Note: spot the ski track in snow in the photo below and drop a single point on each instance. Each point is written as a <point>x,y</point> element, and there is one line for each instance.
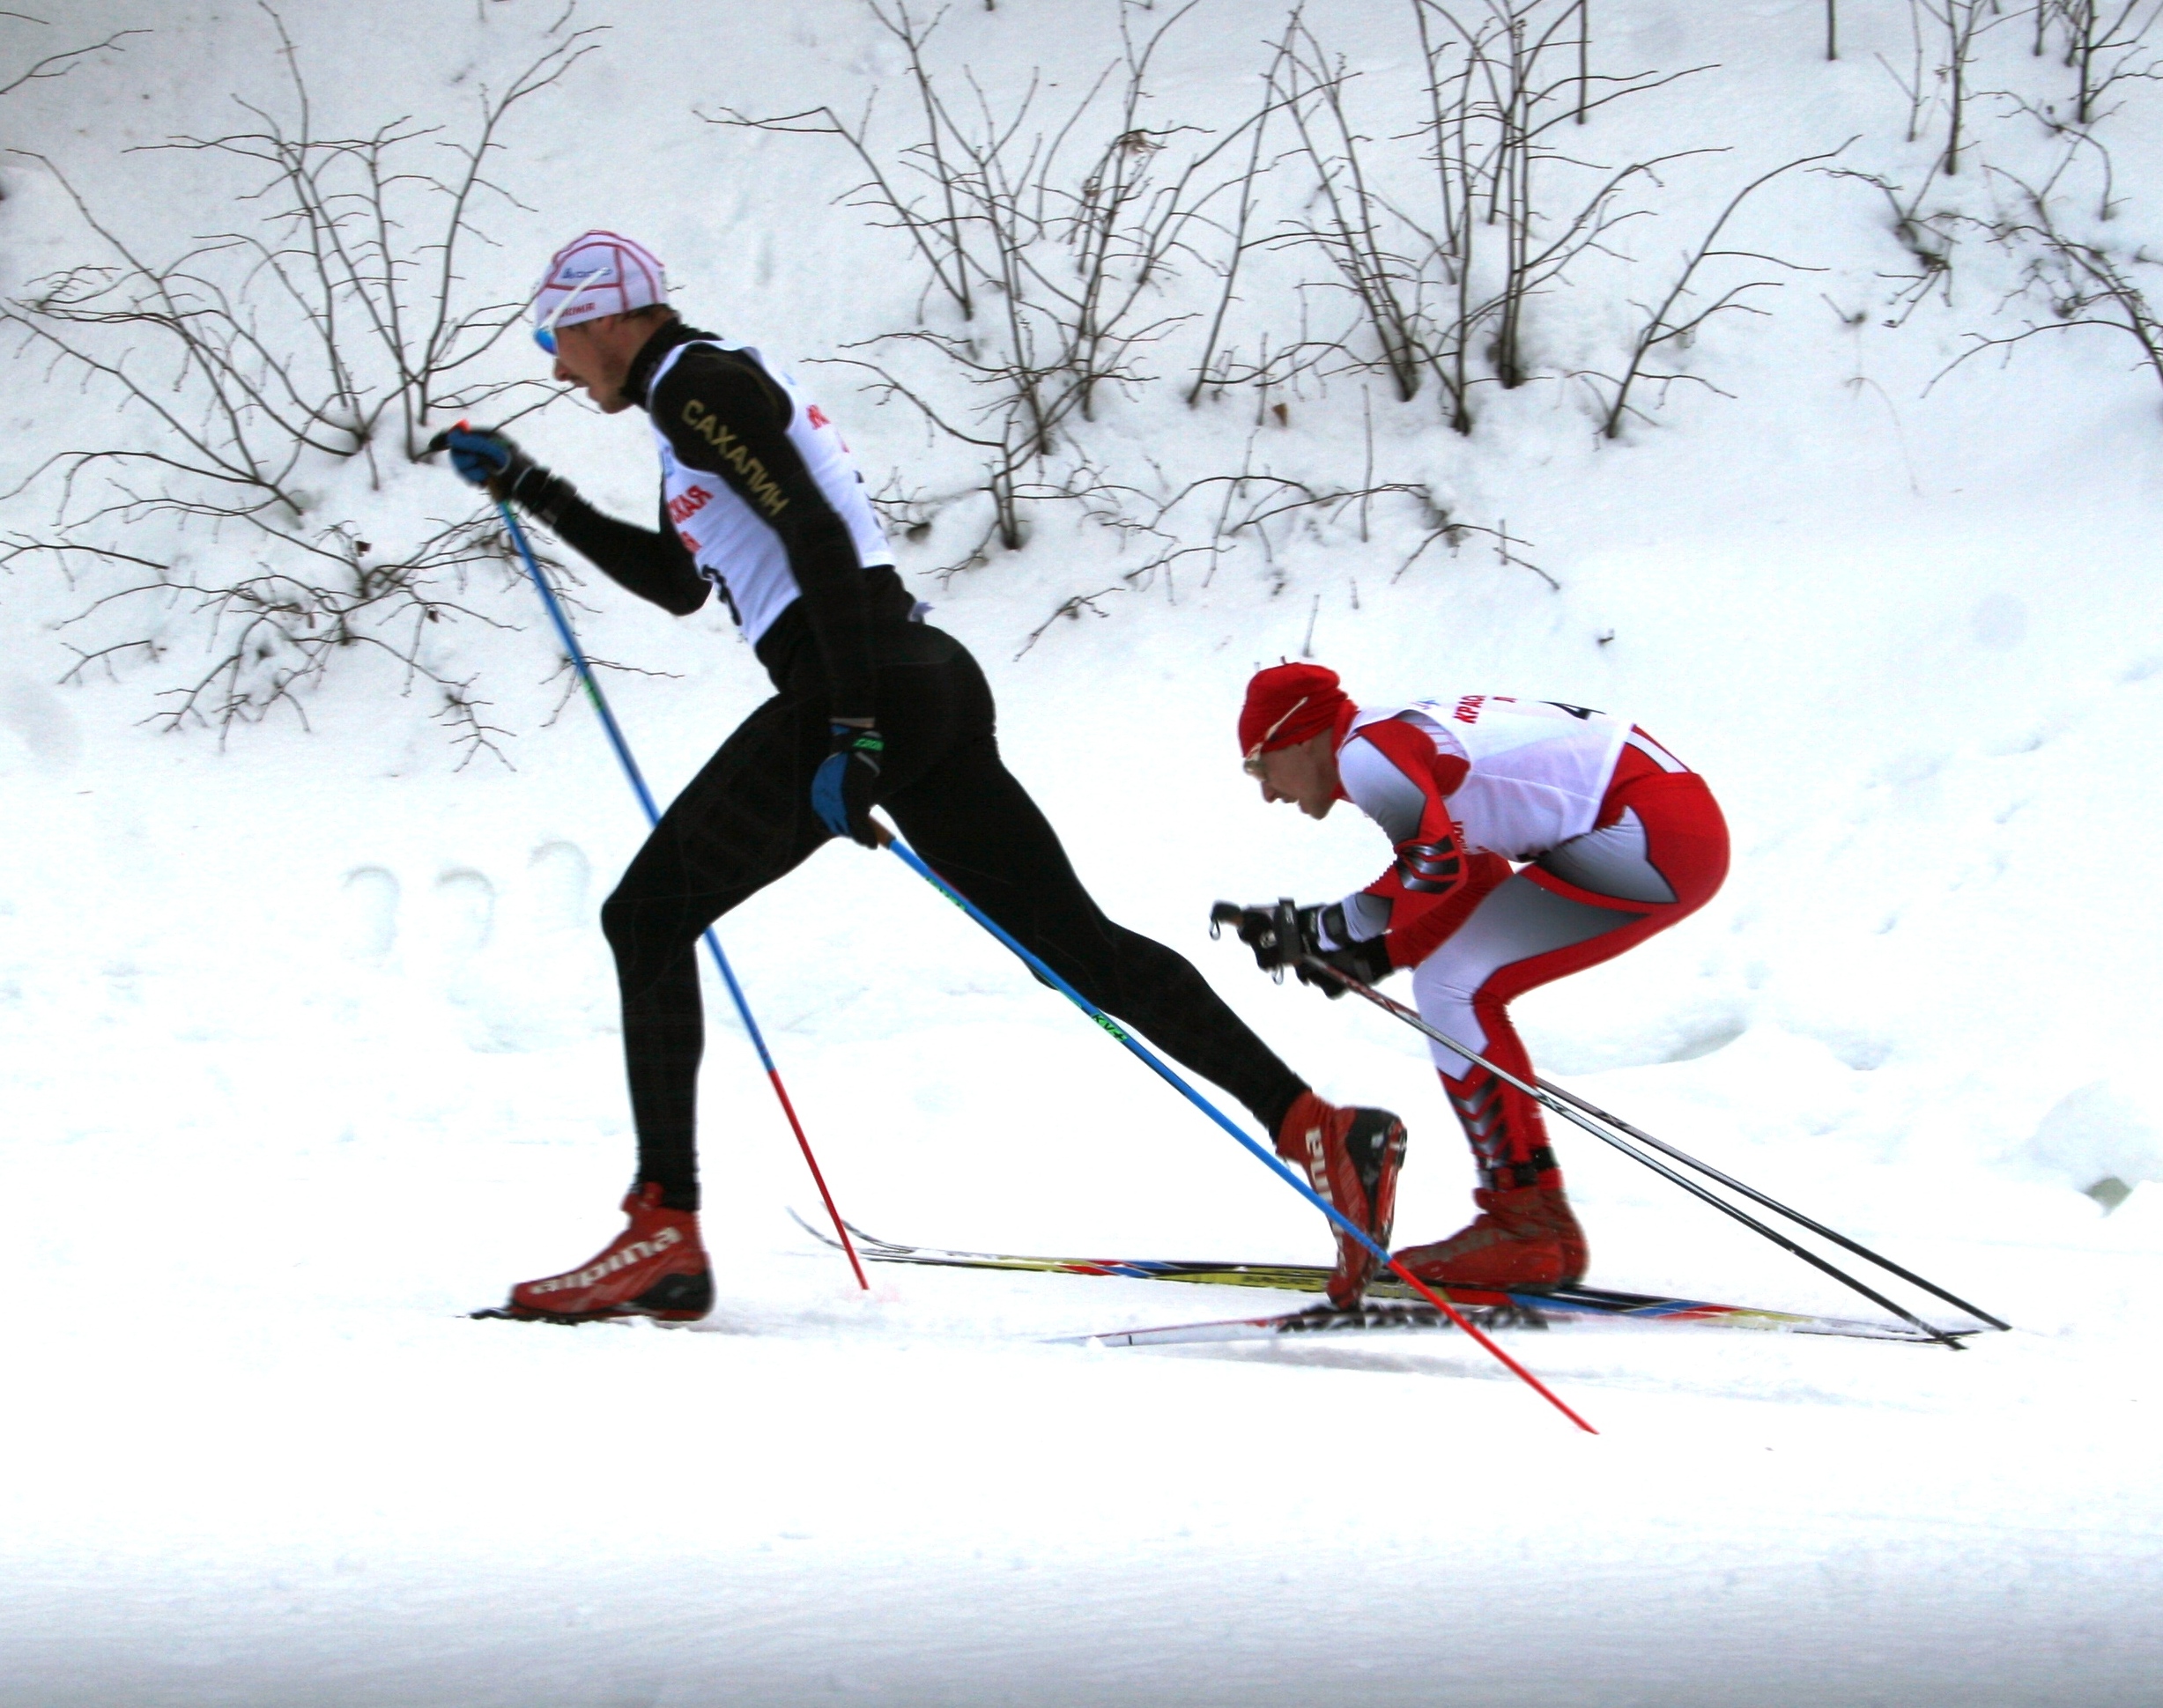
<point>310,1044</point>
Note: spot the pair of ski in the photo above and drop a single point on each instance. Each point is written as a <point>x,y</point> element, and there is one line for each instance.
<point>1390,1304</point>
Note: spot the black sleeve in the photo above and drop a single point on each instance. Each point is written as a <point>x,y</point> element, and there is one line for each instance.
<point>724,415</point>
<point>651,563</point>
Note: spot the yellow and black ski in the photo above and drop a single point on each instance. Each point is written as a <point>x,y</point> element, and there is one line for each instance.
<point>1390,1302</point>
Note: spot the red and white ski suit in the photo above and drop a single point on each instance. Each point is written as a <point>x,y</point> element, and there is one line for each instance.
<point>1611,838</point>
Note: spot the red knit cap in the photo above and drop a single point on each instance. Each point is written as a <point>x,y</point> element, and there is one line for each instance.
<point>1288,703</point>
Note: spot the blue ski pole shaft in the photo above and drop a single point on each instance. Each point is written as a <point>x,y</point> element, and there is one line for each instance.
<point>1269,1159</point>
<point>576,655</point>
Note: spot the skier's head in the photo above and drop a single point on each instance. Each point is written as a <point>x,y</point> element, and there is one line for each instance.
<point>602,297</point>
<point>1288,734</point>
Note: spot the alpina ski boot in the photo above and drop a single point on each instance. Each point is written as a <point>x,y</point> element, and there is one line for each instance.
<point>655,1268</point>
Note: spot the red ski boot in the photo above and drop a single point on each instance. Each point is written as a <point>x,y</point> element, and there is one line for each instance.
<point>1522,1236</point>
<point>1351,1157</point>
<point>655,1267</point>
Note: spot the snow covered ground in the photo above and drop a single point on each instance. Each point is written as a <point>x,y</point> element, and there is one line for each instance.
<point>309,1040</point>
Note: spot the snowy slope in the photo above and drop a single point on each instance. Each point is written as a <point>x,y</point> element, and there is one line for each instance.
<point>309,1040</point>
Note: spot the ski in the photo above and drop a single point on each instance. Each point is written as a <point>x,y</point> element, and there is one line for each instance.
<point>1508,1310</point>
<point>1315,1319</point>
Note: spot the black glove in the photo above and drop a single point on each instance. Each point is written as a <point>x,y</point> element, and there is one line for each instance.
<point>1286,935</point>
<point>1368,962</point>
<point>489,458</point>
<point>843,785</point>
<point>1272,933</point>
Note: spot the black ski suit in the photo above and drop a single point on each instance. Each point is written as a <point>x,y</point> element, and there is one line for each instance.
<point>844,646</point>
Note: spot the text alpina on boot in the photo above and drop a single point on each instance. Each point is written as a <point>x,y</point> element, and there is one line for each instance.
<point>655,1268</point>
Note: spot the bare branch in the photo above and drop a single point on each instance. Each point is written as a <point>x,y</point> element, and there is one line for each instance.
<point>1665,325</point>
<point>334,315</point>
<point>59,64</point>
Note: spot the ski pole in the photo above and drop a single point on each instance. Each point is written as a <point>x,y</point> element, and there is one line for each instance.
<point>1157,1064</point>
<point>1773,1204</point>
<point>576,655</point>
<point>1558,1106</point>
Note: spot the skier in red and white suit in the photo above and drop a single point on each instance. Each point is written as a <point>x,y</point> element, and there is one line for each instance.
<point>1533,839</point>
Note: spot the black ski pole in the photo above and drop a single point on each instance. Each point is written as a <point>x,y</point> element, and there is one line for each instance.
<point>1750,1192</point>
<point>1773,1204</point>
<point>1563,1109</point>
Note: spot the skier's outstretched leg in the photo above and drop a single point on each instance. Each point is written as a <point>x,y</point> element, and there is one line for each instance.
<point>978,828</point>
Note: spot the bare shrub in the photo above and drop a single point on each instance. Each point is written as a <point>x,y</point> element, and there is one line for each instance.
<point>2077,281</point>
<point>1439,287</point>
<point>264,366</point>
<point>2105,44</point>
<point>1045,235</point>
<point>1943,37</point>
<point>1259,508</point>
<point>1683,311</point>
<point>1413,225</point>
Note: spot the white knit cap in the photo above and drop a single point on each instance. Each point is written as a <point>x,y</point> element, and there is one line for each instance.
<point>607,274</point>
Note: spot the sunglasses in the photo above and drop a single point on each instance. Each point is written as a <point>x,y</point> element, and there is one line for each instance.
<point>1252,764</point>
<point>545,334</point>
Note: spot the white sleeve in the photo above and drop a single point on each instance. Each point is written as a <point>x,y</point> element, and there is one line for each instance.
<point>1374,783</point>
<point>1366,917</point>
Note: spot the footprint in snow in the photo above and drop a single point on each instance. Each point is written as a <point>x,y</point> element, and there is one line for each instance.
<point>1998,622</point>
<point>465,907</point>
<point>42,721</point>
<point>371,899</point>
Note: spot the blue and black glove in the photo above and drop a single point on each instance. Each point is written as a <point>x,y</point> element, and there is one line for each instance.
<point>483,457</point>
<point>486,458</point>
<point>844,787</point>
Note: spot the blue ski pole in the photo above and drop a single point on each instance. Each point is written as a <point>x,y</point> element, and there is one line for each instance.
<point>1156,1065</point>
<point>577,657</point>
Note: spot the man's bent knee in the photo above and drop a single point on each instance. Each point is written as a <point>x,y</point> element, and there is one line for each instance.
<point>633,923</point>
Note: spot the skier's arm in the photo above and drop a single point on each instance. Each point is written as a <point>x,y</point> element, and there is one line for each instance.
<point>1394,772</point>
<point>654,565</point>
<point>723,415</point>
<point>650,562</point>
